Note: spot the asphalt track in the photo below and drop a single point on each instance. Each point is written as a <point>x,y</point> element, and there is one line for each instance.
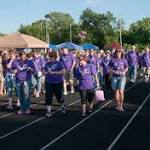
<point>103,129</point>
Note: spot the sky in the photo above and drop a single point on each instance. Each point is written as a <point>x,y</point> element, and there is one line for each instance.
<point>13,13</point>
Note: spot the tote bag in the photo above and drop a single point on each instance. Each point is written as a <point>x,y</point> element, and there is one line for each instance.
<point>99,95</point>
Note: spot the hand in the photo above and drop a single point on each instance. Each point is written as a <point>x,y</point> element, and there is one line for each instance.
<point>29,68</point>
<point>50,71</point>
<point>15,71</point>
<point>123,73</point>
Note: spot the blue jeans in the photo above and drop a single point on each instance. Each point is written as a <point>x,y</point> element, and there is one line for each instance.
<point>10,85</point>
<point>24,95</point>
<point>133,72</point>
<point>38,83</point>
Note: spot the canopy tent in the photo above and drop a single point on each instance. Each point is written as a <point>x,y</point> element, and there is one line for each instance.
<point>53,46</point>
<point>88,46</point>
<point>18,40</point>
<point>69,45</point>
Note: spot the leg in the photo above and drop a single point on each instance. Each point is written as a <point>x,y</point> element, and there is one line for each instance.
<point>83,95</point>
<point>48,98</point>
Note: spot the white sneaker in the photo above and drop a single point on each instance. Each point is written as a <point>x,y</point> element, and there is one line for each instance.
<point>48,114</point>
<point>72,91</point>
<point>18,103</point>
<point>65,93</point>
<point>132,81</point>
<point>10,107</point>
<point>37,94</point>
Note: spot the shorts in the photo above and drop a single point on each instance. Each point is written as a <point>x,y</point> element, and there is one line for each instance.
<point>51,90</point>
<point>69,75</point>
<point>118,82</point>
<point>87,96</point>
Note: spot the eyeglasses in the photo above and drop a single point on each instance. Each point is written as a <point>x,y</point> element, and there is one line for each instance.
<point>118,51</point>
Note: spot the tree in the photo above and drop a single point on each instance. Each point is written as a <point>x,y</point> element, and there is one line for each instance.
<point>2,34</point>
<point>100,27</point>
<point>139,32</point>
<point>59,26</point>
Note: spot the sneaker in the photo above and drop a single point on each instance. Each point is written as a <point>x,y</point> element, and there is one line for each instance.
<point>62,109</point>
<point>48,114</point>
<point>37,94</point>
<point>65,93</point>
<point>19,112</point>
<point>83,114</point>
<point>90,110</point>
<point>10,107</point>
<point>132,81</point>
<point>28,112</point>
<point>18,103</point>
<point>72,91</point>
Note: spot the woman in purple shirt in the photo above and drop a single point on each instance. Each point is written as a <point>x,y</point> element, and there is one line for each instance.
<point>118,67</point>
<point>54,77</point>
<point>87,76</point>
<point>23,69</point>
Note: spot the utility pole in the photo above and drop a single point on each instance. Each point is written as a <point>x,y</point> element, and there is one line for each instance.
<point>46,30</point>
<point>70,33</point>
<point>120,32</point>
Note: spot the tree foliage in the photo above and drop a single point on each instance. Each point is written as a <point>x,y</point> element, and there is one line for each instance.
<point>101,29</point>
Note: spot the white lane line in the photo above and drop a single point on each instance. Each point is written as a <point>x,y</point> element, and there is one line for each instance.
<point>82,121</point>
<point>75,126</point>
<point>6,115</point>
<point>41,118</point>
<point>33,122</point>
<point>9,114</point>
<point>127,125</point>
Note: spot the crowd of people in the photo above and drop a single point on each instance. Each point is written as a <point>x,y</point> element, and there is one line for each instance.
<point>24,73</point>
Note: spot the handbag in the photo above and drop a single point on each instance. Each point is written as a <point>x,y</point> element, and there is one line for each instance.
<point>99,95</point>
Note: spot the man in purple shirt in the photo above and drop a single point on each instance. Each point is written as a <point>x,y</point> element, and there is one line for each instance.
<point>106,70</point>
<point>69,62</point>
<point>133,61</point>
<point>145,63</point>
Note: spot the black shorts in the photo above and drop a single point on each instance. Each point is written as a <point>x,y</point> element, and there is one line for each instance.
<point>87,96</point>
<point>51,90</point>
<point>69,75</point>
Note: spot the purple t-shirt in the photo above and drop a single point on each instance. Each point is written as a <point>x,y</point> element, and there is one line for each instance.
<point>85,76</point>
<point>23,74</point>
<point>39,64</point>
<point>118,65</point>
<point>5,69</point>
<point>67,60</point>
<point>92,59</point>
<point>105,64</point>
<point>54,66</point>
<point>133,58</point>
<point>145,60</point>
